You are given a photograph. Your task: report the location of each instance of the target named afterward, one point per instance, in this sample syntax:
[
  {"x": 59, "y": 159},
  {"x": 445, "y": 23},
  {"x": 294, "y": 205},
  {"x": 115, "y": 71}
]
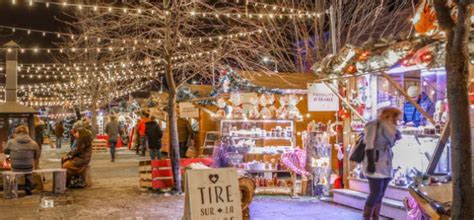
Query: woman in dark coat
[
  {"x": 77, "y": 160},
  {"x": 154, "y": 134}
]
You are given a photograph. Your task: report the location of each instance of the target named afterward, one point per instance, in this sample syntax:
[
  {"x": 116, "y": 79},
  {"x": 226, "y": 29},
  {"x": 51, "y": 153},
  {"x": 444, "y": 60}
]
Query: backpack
[{"x": 358, "y": 152}]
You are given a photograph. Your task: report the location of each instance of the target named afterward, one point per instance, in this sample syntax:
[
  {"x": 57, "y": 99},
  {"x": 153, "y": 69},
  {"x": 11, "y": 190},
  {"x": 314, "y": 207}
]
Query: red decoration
[
  {"x": 351, "y": 69},
  {"x": 363, "y": 56},
  {"x": 425, "y": 18}
]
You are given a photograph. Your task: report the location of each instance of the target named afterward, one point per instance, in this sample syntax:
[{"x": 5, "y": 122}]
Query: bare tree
[
  {"x": 193, "y": 38},
  {"x": 457, "y": 73}
]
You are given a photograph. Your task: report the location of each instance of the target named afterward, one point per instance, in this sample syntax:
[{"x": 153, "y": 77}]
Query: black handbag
[{"x": 358, "y": 152}]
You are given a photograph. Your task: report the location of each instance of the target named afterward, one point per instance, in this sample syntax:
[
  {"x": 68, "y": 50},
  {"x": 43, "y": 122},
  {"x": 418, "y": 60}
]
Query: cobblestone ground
[{"x": 115, "y": 195}]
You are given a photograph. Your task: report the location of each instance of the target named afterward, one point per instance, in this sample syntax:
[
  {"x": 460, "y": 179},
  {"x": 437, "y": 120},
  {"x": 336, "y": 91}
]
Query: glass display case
[{"x": 424, "y": 148}]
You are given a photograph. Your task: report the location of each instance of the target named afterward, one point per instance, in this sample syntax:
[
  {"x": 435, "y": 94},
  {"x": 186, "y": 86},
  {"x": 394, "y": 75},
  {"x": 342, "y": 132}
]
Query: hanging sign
[
  {"x": 321, "y": 98},
  {"x": 188, "y": 110},
  {"x": 212, "y": 194}
]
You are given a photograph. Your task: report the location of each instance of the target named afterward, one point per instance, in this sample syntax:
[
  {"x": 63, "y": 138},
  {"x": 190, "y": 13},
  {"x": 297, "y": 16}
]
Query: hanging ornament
[
  {"x": 363, "y": 56},
  {"x": 263, "y": 100},
  {"x": 351, "y": 69},
  {"x": 253, "y": 113},
  {"x": 235, "y": 98},
  {"x": 221, "y": 105}
]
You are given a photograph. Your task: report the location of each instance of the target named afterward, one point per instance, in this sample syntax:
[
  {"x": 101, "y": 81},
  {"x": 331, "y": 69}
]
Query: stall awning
[
  {"x": 279, "y": 80},
  {"x": 15, "y": 108}
]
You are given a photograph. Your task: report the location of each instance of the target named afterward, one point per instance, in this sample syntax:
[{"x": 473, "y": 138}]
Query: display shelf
[
  {"x": 270, "y": 171},
  {"x": 262, "y": 138},
  {"x": 262, "y": 142},
  {"x": 285, "y": 190}
]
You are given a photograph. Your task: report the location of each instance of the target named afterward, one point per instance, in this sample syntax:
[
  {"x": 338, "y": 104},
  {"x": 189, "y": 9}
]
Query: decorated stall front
[
  {"x": 266, "y": 125},
  {"x": 407, "y": 74}
]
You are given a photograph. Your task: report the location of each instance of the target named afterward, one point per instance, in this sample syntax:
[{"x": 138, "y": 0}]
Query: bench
[{"x": 10, "y": 181}]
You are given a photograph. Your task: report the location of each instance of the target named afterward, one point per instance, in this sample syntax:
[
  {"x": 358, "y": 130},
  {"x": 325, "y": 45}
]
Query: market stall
[
  {"x": 262, "y": 122},
  {"x": 407, "y": 74}
]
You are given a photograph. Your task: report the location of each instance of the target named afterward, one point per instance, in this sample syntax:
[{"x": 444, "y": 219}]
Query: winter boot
[
  {"x": 376, "y": 212},
  {"x": 368, "y": 211}
]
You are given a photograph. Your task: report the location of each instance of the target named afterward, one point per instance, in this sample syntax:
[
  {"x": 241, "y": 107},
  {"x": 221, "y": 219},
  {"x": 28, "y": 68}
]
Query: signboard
[
  {"x": 212, "y": 194},
  {"x": 321, "y": 98},
  {"x": 188, "y": 110}
]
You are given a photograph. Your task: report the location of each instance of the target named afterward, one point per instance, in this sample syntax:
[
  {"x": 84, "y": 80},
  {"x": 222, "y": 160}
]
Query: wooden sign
[
  {"x": 212, "y": 194},
  {"x": 188, "y": 110}
]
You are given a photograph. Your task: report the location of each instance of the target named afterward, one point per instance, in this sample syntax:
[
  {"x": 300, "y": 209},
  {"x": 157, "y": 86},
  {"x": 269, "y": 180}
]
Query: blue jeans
[
  {"x": 155, "y": 153},
  {"x": 113, "y": 144},
  {"x": 59, "y": 142},
  {"x": 143, "y": 141},
  {"x": 377, "y": 190}
]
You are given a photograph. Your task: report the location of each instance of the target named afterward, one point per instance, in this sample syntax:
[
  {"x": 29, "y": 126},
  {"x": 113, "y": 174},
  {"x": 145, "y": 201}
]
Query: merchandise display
[
  {"x": 257, "y": 146},
  {"x": 318, "y": 151}
]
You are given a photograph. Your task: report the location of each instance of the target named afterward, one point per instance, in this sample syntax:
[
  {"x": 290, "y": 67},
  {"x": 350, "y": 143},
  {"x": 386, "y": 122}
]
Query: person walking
[
  {"x": 39, "y": 136},
  {"x": 24, "y": 152},
  {"x": 380, "y": 137},
  {"x": 59, "y": 133},
  {"x": 112, "y": 129},
  {"x": 185, "y": 135},
  {"x": 154, "y": 135},
  {"x": 141, "y": 132}
]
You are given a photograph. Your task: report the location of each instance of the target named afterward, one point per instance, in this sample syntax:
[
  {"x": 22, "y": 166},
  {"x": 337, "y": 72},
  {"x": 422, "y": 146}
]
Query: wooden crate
[
  {"x": 144, "y": 172},
  {"x": 99, "y": 145}
]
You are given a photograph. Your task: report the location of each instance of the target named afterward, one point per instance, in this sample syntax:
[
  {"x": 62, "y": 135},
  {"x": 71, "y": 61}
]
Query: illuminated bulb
[{"x": 30, "y": 3}]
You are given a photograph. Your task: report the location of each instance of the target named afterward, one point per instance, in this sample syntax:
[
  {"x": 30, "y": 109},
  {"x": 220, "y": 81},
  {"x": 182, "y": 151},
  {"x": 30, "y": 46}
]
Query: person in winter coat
[
  {"x": 112, "y": 129},
  {"x": 141, "y": 131},
  {"x": 77, "y": 160},
  {"x": 59, "y": 133},
  {"x": 380, "y": 137},
  {"x": 24, "y": 152},
  {"x": 411, "y": 115},
  {"x": 154, "y": 135},
  {"x": 185, "y": 135},
  {"x": 39, "y": 131}
]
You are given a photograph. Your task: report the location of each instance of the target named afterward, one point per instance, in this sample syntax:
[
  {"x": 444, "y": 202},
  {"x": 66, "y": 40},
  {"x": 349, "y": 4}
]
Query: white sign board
[
  {"x": 321, "y": 98},
  {"x": 188, "y": 110},
  {"x": 212, "y": 194}
]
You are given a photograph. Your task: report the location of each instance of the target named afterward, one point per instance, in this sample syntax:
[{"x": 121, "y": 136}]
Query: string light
[
  {"x": 133, "y": 40},
  {"x": 138, "y": 11}
]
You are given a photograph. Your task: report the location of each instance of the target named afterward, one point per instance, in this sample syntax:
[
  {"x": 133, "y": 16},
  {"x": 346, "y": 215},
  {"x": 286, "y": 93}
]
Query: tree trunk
[
  {"x": 457, "y": 78},
  {"x": 173, "y": 134},
  {"x": 457, "y": 74}
]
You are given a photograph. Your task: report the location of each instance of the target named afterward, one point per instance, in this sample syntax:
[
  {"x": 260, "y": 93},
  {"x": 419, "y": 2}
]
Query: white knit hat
[{"x": 413, "y": 91}]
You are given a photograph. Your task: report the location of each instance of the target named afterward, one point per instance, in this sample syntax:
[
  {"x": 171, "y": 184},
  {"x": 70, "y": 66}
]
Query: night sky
[{"x": 37, "y": 16}]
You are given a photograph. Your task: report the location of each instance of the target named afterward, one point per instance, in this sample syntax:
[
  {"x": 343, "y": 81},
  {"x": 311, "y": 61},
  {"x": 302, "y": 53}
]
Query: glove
[{"x": 371, "y": 161}]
